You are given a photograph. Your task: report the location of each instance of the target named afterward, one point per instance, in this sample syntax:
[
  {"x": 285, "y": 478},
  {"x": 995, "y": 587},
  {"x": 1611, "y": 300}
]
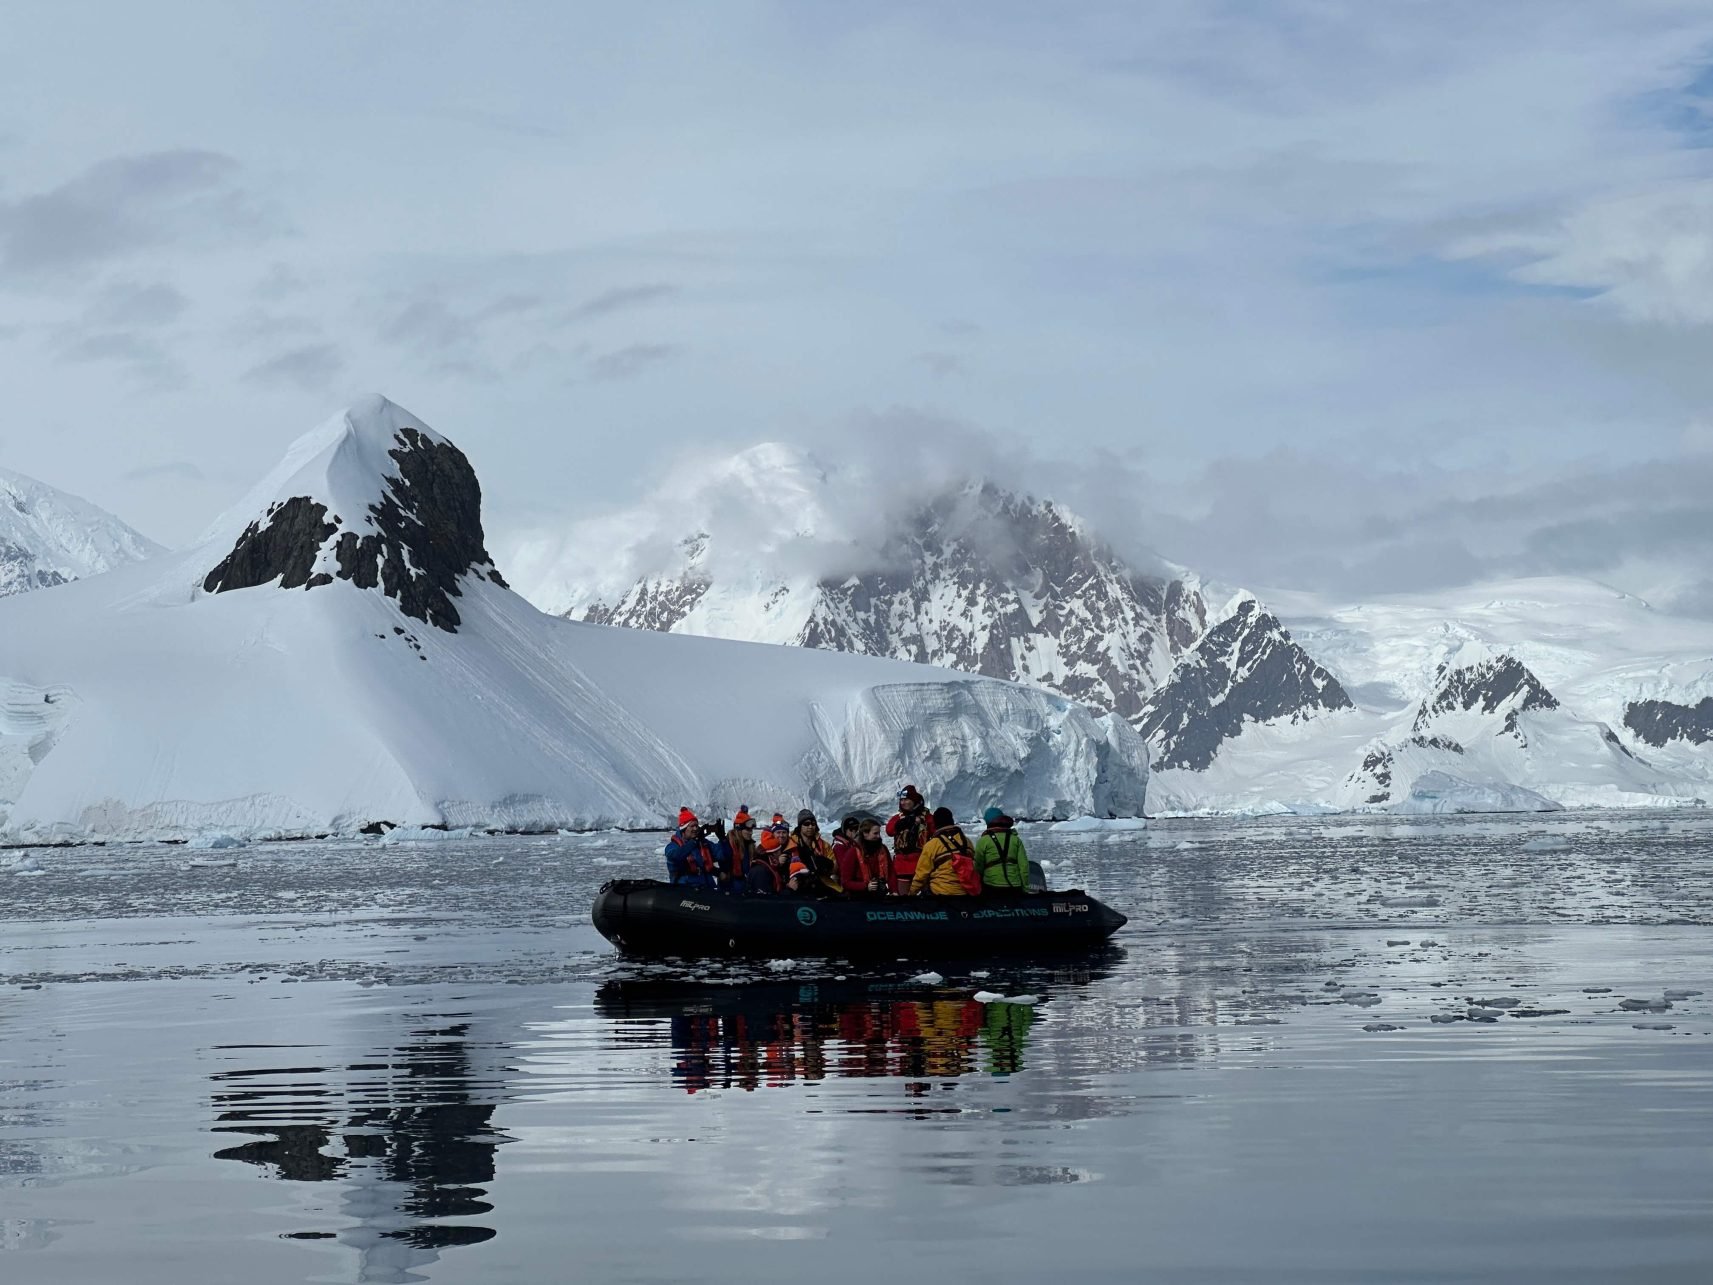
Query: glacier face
[
  {"x": 48, "y": 537},
  {"x": 246, "y": 685}
]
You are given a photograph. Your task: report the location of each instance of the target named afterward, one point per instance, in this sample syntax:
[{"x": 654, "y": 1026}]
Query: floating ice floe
[
  {"x": 994, "y": 997},
  {"x": 1547, "y": 843},
  {"x": 1423, "y": 902},
  {"x": 1098, "y": 825},
  {"x": 927, "y": 979},
  {"x": 1644, "y": 1005},
  {"x": 211, "y": 863},
  {"x": 407, "y": 834}
]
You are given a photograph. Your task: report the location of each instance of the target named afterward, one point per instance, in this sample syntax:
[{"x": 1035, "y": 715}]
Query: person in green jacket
[{"x": 1000, "y": 855}]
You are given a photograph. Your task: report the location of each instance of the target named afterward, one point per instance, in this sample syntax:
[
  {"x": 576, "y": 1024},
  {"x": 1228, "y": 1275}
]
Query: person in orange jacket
[{"x": 811, "y": 870}]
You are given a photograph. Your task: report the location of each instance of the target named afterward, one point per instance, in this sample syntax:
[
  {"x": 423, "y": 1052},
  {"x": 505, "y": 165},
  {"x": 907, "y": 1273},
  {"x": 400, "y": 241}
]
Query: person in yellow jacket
[{"x": 935, "y": 874}]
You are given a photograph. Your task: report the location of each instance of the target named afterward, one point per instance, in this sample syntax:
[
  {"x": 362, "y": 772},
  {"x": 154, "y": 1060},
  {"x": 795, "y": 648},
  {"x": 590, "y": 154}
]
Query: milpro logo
[
  {"x": 806, "y": 916},
  {"x": 693, "y": 905},
  {"x": 1069, "y": 908}
]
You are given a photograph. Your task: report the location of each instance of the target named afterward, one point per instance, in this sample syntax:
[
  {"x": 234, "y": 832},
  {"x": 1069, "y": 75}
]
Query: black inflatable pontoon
[{"x": 647, "y": 917}]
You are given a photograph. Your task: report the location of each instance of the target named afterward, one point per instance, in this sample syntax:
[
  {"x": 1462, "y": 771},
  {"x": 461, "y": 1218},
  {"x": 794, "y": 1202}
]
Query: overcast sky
[{"x": 1343, "y": 295}]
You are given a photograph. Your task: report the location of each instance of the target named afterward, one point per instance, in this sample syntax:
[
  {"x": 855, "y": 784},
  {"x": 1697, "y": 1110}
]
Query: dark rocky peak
[
  {"x": 1487, "y": 686},
  {"x": 1245, "y": 668},
  {"x": 375, "y": 499},
  {"x": 1659, "y": 722},
  {"x": 976, "y": 578}
]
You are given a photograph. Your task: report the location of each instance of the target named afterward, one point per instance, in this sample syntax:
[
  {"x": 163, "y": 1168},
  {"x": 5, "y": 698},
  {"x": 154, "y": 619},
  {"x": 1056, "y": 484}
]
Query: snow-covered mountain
[
  {"x": 341, "y": 650},
  {"x": 1528, "y": 694},
  {"x": 1521, "y": 695},
  {"x": 974, "y": 578},
  {"x": 48, "y": 537},
  {"x": 1244, "y": 670}
]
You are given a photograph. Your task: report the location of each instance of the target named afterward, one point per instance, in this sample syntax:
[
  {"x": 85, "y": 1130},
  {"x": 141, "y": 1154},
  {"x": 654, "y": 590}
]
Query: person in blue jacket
[{"x": 692, "y": 858}]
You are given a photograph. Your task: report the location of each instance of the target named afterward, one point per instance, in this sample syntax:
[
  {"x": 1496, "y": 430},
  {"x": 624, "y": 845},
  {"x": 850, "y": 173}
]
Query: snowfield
[{"x": 194, "y": 694}]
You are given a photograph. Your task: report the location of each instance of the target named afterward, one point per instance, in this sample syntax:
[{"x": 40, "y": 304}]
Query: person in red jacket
[
  {"x": 862, "y": 868},
  {"x": 910, "y": 829}
]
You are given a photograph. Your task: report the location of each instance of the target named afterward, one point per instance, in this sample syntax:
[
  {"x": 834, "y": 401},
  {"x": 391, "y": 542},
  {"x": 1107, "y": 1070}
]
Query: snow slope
[
  {"x": 341, "y": 650},
  {"x": 1509, "y": 696},
  {"x": 48, "y": 537}
]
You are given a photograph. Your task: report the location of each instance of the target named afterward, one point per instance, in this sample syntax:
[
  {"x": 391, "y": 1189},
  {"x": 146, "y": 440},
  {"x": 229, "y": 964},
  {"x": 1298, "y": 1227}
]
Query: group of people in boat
[{"x": 917, "y": 852}]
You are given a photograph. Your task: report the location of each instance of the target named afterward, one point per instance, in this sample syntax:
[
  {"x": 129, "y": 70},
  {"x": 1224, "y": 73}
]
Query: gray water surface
[{"x": 361, "y": 1062}]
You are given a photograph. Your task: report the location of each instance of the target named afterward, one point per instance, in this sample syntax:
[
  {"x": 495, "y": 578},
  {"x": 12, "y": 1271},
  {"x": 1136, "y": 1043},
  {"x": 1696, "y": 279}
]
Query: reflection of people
[
  {"x": 1005, "y": 1034},
  {"x": 938, "y": 1036},
  {"x": 769, "y": 1036}
]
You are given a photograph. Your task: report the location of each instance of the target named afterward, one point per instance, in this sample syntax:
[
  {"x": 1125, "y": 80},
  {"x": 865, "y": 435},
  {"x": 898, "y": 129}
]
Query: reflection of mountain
[{"x": 406, "y": 1134}]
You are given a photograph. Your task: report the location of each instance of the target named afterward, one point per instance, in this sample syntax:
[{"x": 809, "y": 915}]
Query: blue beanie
[{"x": 991, "y": 815}]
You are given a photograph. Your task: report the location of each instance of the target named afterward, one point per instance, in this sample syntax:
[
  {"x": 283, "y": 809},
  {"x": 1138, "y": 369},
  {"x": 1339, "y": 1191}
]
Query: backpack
[{"x": 963, "y": 866}]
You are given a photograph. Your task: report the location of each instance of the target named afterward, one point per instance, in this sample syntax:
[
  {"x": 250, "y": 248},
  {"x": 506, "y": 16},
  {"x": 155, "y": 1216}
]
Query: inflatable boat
[{"x": 647, "y": 917}]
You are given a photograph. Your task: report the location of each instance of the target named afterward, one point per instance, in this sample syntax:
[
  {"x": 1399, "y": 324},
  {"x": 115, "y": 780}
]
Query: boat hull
[{"x": 647, "y": 917}]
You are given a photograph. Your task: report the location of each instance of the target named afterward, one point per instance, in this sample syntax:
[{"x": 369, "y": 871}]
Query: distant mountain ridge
[
  {"x": 1529, "y": 694},
  {"x": 49, "y": 537}
]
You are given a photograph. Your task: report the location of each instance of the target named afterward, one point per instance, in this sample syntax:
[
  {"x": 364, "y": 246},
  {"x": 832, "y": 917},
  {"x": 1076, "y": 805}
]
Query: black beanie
[{"x": 943, "y": 817}]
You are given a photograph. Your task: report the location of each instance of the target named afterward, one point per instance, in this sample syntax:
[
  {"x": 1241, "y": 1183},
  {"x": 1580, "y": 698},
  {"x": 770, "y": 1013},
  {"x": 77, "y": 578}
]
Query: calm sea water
[{"x": 361, "y": 1062}]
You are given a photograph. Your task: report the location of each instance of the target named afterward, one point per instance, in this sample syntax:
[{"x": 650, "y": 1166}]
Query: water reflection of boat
[
  {"x": 406, "y": 1134},
  {"x": 771, "y": 1034},
  {"x": 647, "y": 917}
]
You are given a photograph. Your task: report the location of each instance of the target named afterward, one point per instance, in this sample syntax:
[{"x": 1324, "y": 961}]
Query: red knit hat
[
  {"x": 685, "y": 817},
  {"x": 741, "y": 817}
]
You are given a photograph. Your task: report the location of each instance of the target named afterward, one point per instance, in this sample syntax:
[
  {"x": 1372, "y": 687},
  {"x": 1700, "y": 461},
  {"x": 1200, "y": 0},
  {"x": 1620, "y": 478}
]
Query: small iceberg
[
  {"x": 1099, "y": 825},
  {"x": 416, "y": 834},
  {"x": 994, "y": 997},
  {"x": 214, "y": 842}
]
